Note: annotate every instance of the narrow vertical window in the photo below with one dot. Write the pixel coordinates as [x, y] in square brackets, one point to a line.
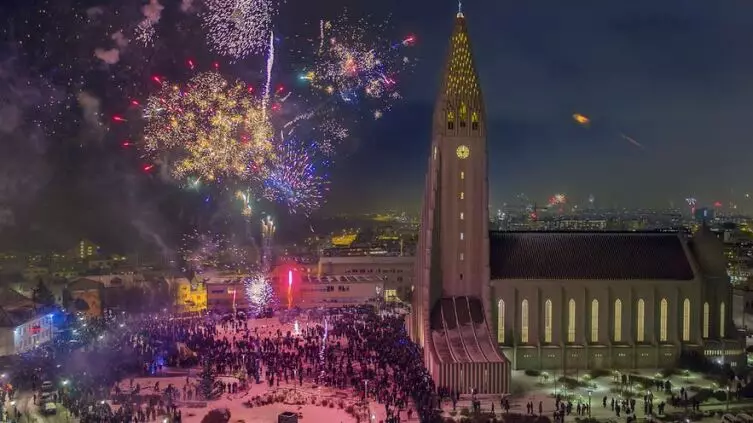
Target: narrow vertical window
[663, 306]
[595, 320]
[461, 257]
[706, 315]
[524, 322]
[462, 216]
[686, 320]
[501, 321]
[462, 195]
[462, 175]
[474, 121]
[450, 120]
[461, 236]
[722, 321]
[571, 321]
[617, 320]
[548, 321]
[640, 334]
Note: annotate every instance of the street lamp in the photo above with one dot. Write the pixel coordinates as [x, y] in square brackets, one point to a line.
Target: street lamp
[589, 402]
[727, 397]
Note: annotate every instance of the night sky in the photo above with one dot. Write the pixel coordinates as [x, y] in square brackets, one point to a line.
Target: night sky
[666, 84]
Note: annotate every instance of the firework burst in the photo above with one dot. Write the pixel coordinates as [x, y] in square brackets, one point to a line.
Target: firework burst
[353, 63]
[260, 294]
[295, 178]
[238, 28]
[209, 127]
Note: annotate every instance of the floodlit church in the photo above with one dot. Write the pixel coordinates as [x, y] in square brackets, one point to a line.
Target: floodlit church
[488, 302]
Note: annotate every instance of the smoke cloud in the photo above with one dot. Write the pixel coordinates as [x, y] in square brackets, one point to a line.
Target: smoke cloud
[152, 11]
[24, 169]
[111, 56]
[186, 6]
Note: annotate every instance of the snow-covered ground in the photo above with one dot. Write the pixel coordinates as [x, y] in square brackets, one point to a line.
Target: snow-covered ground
[297, 398]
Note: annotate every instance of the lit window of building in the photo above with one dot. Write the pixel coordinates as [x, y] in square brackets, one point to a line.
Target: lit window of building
[462, 175]
[640, 334]
[663, 306]
[617, 320]
[686, 320]
[524, 322]
[706, 315]
[501, 321]
[722, 322]
[462, 216]
[461, 256]
[571, 321]
[462, 195]
[461, 236]
[595, 320]
[548, 321]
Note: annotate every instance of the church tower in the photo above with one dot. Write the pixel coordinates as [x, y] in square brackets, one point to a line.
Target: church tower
[452, 293]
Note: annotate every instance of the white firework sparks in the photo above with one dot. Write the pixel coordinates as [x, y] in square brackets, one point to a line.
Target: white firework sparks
[237, 28]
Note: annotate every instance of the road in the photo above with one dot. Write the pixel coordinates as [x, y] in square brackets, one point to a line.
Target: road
[30, 412]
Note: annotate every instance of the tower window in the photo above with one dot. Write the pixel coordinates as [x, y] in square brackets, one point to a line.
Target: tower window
[462, 216]
[474, 126]
[462, 124]
[451, 125]
[461, 276]
[462, 195]
[461, 236]
[461, 259]
[450, 120]
[462, 175]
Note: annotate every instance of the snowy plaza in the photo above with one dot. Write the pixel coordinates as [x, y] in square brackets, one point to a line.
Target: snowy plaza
[259, 402]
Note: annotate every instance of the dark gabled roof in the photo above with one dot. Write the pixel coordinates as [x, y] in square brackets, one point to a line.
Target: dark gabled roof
[84, 284]
[12, 299]
[588, 255]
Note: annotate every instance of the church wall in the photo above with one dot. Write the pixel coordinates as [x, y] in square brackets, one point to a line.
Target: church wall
[607, 351]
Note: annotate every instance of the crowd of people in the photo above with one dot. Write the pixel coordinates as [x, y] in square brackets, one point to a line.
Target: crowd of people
[346, 348]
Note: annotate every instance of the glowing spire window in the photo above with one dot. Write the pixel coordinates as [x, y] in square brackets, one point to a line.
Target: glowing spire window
[450, 120]
[463, 114]
[474, 121]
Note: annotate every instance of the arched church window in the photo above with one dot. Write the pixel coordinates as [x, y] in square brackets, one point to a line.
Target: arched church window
[548, 321]
[571, 321]
[463, 114]
[524, 322]
[686, 320]
[474, 121]
[501, 321]
[450, 120]
[663, 306]
[640, 334]
[617, 320]
[595, 320]
[706, 316]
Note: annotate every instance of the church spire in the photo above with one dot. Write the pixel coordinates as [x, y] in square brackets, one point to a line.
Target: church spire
[460, 77]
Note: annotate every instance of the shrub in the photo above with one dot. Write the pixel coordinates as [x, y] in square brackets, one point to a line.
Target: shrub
[465, 411]
[218, 415]
[349, 409]
[331, 405]
[532, 372]
[599, 373]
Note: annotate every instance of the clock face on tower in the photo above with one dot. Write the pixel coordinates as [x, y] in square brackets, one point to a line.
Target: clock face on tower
[463, 152]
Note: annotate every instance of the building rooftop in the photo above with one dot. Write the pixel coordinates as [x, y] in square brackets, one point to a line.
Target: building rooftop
[368, 259]
[589, 255]
[343, 279]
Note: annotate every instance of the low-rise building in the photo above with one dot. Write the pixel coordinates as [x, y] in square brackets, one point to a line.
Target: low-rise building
[318, 291]
[21, 329]
[86, 296]
[396, 272]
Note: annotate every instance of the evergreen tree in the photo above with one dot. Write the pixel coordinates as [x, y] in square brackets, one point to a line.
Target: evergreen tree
[42, 295]
[208, 381]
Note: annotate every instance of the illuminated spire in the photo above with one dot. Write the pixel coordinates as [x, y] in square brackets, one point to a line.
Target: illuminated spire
[460, 8]
[461, 79]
